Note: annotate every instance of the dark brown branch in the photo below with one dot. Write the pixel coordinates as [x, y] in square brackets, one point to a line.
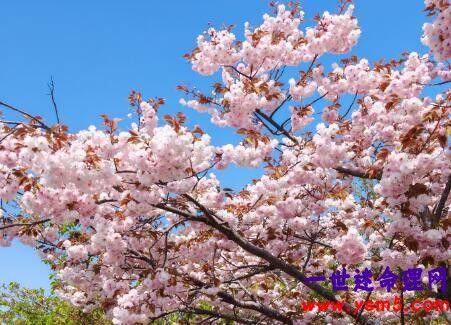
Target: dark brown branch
[356, 173]
[24, 224]
[15, 123]
[51, 86]
[251, 274]
[31, 117]
[237, 71]
[298, 83]
[202, 208]
[438, 210]
[309, 254]
[304, 106]
[264, 310]
[267, 126]
[232, 235]
[142, 257]
[14, 129]
[176, 211]
[309, 240]
[166, 235]
[277, 126]
[436, 84]
[274, 261]
[280, 105]
[350, 106]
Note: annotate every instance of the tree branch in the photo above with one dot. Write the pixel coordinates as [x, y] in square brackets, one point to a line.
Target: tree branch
[274, 261]
[276, 125]
[51, 86]
[264, 310]
[24, 224]
[350, 106]
[438, 210]
[356, 173]
[31, 117]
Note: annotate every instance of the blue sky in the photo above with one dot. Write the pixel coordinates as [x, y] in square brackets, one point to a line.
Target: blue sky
[97, 51]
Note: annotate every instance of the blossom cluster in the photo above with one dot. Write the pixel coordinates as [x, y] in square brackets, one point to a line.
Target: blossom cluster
[436, 35]
[135, 221]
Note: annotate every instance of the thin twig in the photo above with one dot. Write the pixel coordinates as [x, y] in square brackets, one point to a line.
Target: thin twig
[350, 106]
[24, 224]
[31, 117]
[51, 86]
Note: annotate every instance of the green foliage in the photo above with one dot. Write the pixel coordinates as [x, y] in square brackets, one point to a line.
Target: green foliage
[21, 306]
[68, 228]
[364, 190]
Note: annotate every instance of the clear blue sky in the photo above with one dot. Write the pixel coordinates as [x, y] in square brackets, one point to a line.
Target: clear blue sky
[97, 51]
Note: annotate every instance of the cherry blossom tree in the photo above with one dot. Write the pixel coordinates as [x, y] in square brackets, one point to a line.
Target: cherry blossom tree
[356, 174]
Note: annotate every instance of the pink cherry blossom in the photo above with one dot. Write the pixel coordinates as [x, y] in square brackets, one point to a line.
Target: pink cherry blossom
[353, 162]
